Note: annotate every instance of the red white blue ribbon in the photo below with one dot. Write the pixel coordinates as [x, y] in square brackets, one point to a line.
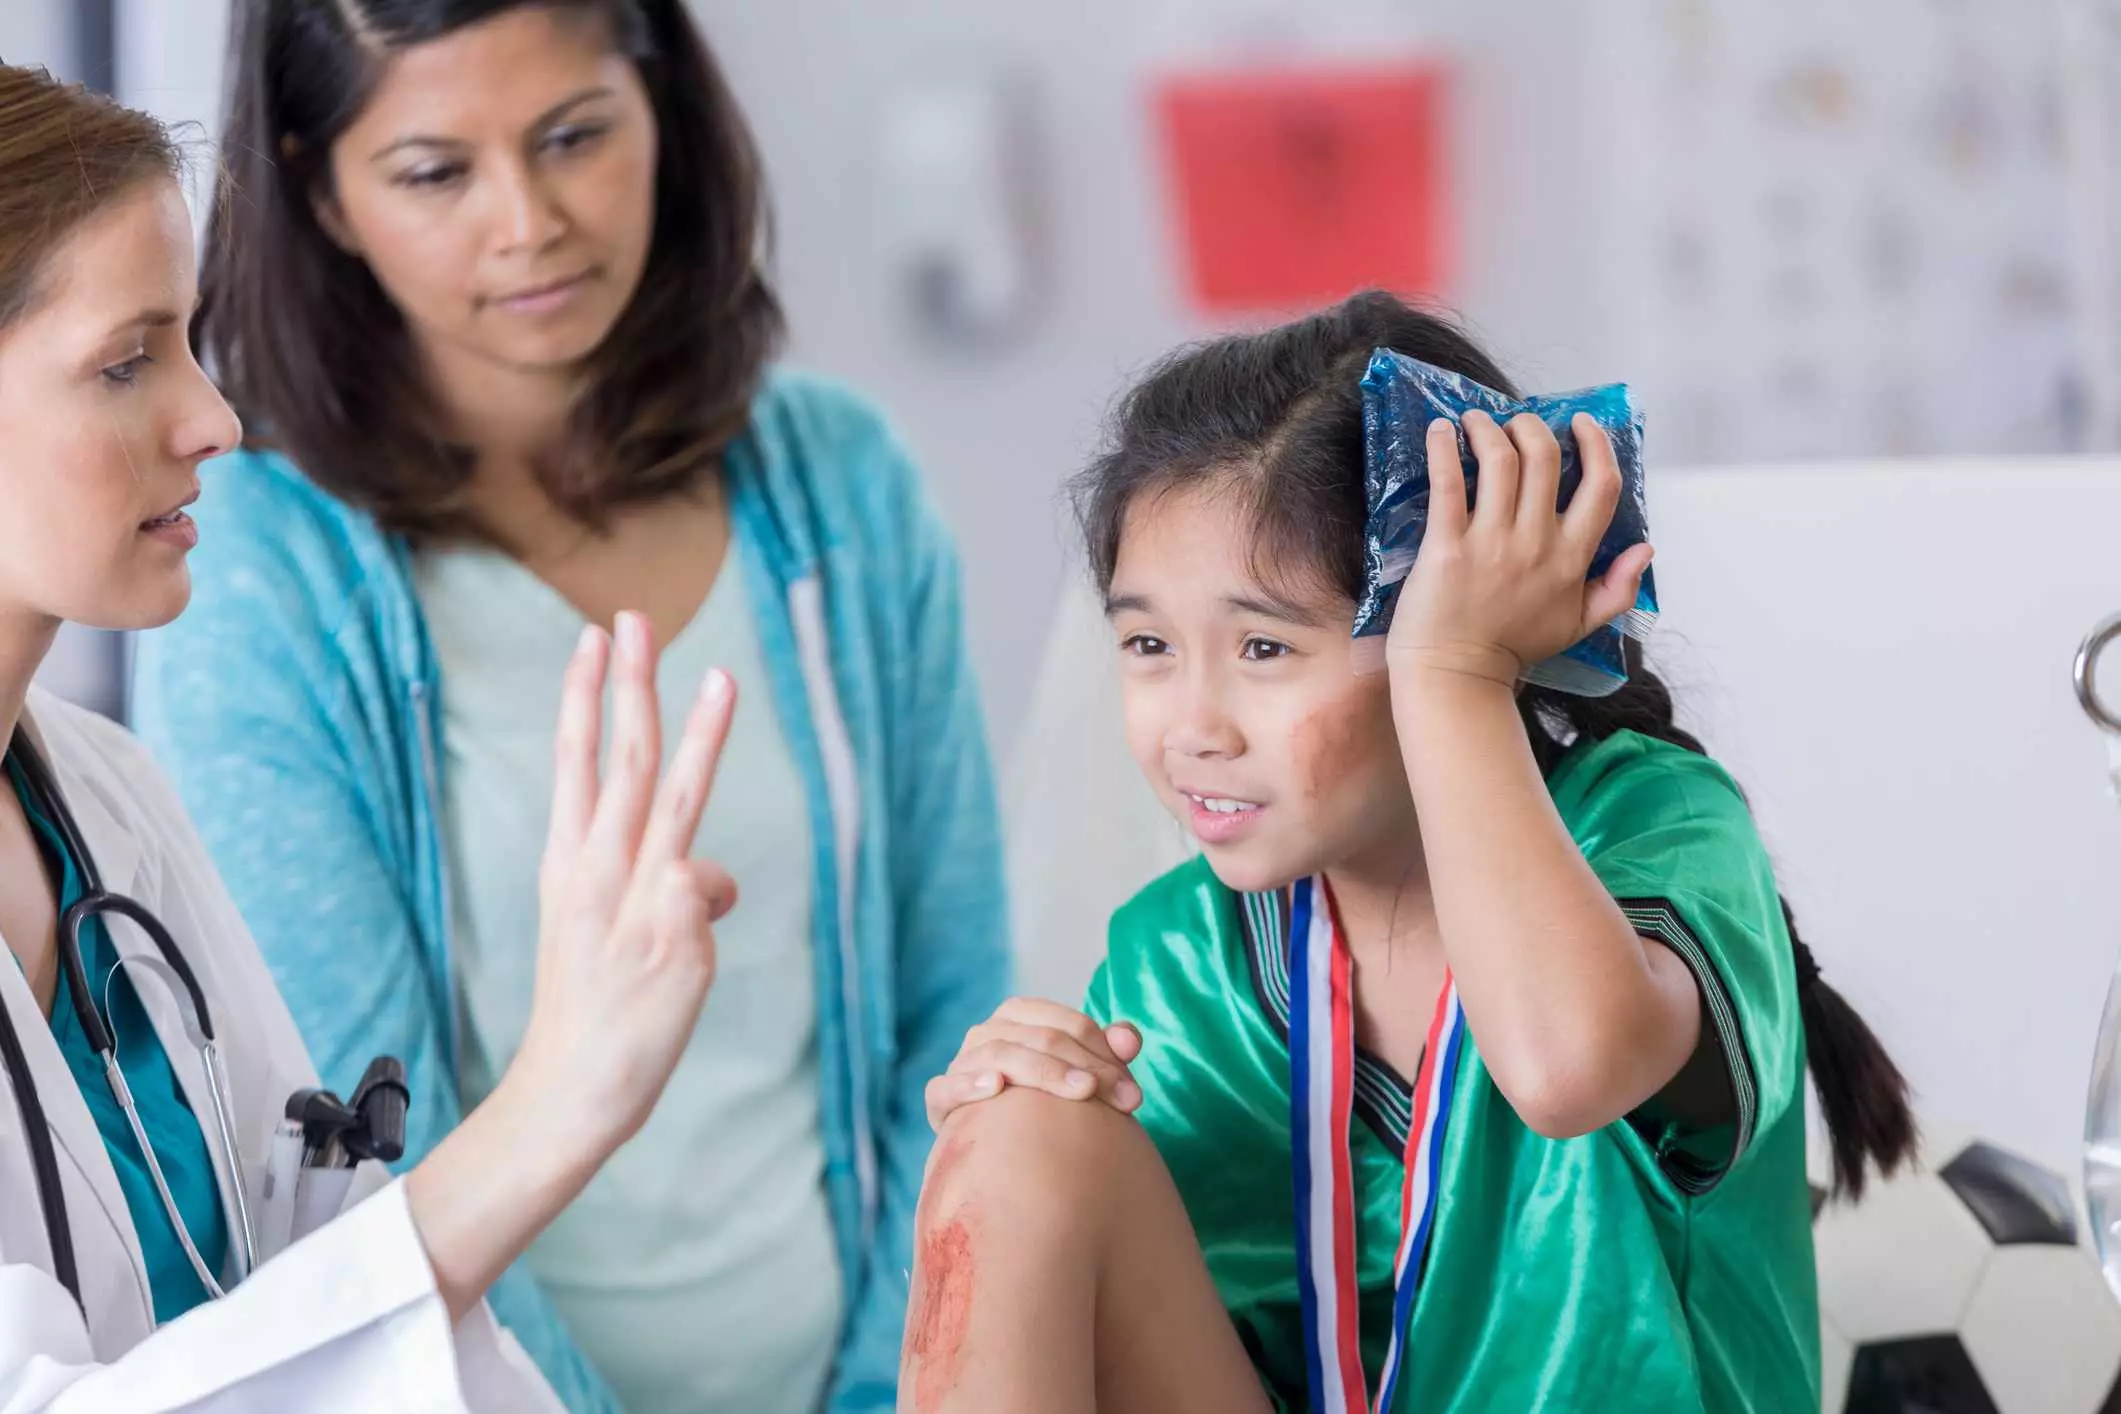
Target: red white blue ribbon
[1321, 1102]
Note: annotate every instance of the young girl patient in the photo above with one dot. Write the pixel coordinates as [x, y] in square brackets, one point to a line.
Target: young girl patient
[1463, 1070]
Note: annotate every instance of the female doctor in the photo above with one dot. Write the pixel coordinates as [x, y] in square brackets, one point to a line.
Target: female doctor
[133, 1157]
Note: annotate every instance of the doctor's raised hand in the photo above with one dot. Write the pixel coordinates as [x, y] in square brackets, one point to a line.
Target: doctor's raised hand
[625, 960]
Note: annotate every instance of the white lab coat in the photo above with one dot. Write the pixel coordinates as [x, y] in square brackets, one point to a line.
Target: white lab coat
[347, 1318]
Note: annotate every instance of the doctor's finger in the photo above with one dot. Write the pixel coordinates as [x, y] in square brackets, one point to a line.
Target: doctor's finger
[574, 746]
[636, 756]
[688, 898]
[682, 796]
[708, 887]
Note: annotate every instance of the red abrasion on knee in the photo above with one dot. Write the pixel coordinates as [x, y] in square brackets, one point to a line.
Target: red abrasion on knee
[942, 1313]
[949, 1152]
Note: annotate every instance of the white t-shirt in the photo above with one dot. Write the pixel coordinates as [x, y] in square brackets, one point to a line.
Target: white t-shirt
[698, 1271]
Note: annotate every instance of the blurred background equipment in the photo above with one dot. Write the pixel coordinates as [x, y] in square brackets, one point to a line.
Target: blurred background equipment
[1272, 180]
[955, 169]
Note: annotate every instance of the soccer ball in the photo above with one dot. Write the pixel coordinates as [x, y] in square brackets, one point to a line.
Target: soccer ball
[1962, 1289]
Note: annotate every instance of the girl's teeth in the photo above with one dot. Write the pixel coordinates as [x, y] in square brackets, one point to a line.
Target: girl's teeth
[1216, 806]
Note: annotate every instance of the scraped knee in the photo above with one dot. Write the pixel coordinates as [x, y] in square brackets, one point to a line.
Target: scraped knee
[1032, 1156]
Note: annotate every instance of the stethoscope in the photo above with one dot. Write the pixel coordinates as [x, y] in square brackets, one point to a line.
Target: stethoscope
[183, 985]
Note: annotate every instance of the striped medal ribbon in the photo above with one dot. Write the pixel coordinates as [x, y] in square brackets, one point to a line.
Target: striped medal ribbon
[1321, 1102]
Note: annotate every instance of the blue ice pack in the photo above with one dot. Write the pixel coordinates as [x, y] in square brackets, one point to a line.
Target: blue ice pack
[1401, 396]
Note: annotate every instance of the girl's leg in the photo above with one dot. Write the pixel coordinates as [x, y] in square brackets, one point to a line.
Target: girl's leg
[1056, 1272]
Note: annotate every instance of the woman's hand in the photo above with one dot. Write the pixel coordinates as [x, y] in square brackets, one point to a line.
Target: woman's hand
[625, 959]
[1040, 1045]
[1497, 589]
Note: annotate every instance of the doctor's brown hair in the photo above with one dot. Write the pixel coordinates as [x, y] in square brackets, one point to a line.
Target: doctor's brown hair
[65, 154]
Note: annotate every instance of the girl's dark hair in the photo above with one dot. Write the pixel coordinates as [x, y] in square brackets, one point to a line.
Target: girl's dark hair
[318, 361]
[1275, 419]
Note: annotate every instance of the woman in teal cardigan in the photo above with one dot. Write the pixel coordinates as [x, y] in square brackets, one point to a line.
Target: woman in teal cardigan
[489, 300]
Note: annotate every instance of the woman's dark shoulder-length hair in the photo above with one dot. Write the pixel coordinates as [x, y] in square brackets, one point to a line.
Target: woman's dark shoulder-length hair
[318, 361]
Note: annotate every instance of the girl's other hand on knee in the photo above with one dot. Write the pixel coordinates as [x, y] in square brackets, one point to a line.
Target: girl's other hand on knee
[1040, 1045]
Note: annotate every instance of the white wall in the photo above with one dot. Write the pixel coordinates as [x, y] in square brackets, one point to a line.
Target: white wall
[37, 32]
[1863, 230]
[1896, 701]
[169, 62]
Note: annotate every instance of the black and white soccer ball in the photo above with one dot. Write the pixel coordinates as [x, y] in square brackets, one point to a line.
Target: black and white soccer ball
[1964, 1288]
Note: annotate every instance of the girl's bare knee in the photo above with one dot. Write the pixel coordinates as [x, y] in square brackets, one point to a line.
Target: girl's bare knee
[1030, 1153]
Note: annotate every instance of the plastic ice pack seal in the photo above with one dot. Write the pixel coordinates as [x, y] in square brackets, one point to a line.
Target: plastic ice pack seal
[1401, 397]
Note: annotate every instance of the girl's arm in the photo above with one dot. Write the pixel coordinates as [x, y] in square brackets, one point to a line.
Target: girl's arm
[1578, 1019]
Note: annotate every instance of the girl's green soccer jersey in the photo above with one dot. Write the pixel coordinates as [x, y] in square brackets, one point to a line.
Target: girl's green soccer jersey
[1649, 1266]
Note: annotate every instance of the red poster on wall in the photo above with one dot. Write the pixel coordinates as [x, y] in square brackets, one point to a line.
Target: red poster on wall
[1293, 187]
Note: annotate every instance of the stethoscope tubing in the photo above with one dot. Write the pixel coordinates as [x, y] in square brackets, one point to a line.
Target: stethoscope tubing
[176, 973]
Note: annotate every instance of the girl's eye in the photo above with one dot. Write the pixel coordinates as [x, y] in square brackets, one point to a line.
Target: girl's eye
[437, 175]
[124, 375]
[571, 139]
[1143, 645]
[1263, 650]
